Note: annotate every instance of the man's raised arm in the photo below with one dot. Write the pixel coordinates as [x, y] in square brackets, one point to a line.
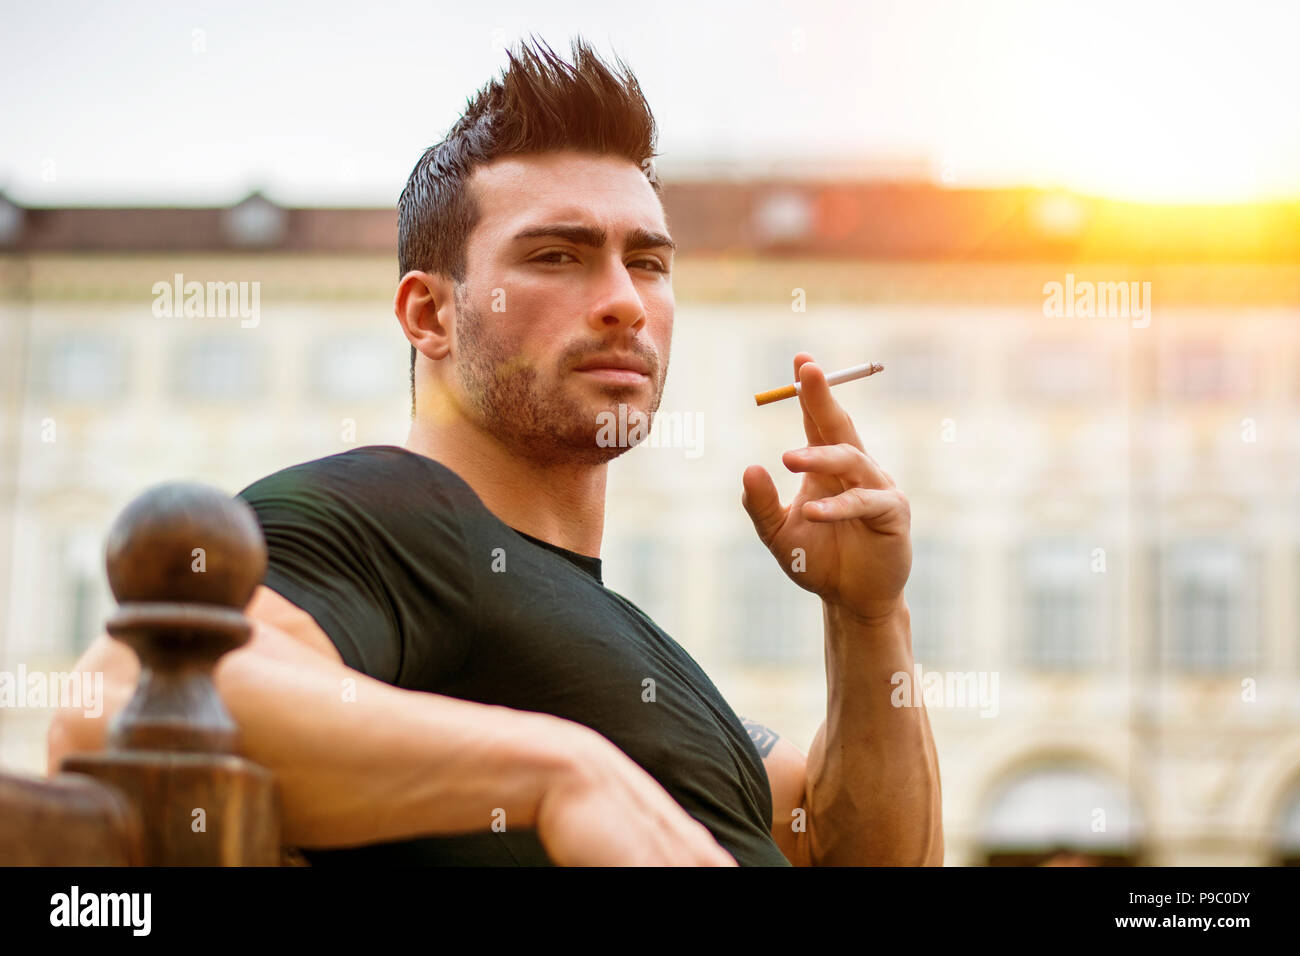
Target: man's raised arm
[360, 761]
[872, 790]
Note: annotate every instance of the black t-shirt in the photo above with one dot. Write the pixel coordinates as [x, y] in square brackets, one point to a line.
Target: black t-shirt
[419, 585]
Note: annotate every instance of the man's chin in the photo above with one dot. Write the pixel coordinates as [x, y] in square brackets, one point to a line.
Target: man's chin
[595, 430]
[579, 450]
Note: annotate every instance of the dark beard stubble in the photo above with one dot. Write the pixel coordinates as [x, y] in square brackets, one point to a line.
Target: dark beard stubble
[545, 426]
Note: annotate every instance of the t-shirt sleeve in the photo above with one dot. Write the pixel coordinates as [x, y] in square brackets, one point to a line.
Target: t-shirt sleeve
[384, 587]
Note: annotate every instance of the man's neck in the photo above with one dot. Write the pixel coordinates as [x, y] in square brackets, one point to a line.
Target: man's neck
[560, 504]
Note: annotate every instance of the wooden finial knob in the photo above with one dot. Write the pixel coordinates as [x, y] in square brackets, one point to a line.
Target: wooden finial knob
[186, 542]
[183, 561]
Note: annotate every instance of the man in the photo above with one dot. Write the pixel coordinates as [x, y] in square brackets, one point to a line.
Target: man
[437, 673]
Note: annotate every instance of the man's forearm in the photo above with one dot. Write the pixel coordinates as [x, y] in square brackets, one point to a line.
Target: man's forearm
[357, 760]
[391, 763]
[873, 773]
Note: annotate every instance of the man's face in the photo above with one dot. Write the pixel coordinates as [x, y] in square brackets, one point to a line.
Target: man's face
[535, 307]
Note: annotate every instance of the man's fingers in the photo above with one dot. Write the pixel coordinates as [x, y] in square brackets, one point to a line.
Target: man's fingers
[809, 426]
[871, 504]
[831, 421]
[761, 500]
[846, 462]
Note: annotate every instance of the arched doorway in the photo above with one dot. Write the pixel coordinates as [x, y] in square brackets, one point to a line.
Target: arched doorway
[1061, 815]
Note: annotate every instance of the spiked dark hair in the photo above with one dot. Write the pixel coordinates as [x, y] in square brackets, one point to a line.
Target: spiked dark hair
[541, 103]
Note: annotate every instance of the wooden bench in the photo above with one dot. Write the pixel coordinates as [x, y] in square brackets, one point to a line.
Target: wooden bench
[170, 788]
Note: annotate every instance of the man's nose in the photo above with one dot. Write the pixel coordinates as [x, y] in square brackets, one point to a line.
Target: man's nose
[620, 303]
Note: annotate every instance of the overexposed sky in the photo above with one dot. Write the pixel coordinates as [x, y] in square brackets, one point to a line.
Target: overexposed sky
[330, 102]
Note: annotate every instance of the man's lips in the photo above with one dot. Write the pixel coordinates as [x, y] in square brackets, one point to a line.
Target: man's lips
[627, 360]
[616, 369]
[615, 376]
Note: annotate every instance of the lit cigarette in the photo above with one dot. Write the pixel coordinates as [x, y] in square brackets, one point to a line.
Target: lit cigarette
[835, 378]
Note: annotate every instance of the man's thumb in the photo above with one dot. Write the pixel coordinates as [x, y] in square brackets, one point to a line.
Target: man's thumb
[762, 502]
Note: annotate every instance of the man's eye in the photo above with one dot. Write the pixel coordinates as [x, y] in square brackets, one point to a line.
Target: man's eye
[549, 257]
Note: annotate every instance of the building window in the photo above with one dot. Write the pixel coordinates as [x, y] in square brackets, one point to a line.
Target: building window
[1208, 594]
[1199, 371]
[920, 373]
[773, 620]
[82, 567]
[360, 368]
[256, 221]
[934, 599]
[85, 368]
[1065, 372]
[783, 216]
[219, 369]
[1062, 608]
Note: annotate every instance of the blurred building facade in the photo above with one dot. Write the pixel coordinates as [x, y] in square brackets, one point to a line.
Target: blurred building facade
[1104, 590]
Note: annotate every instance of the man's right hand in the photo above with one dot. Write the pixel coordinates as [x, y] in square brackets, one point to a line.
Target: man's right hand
[606, 811]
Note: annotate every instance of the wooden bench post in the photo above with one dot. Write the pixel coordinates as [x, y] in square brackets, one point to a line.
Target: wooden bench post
[183, 562]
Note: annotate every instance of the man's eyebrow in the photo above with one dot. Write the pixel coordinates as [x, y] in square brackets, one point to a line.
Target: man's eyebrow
[595, 237]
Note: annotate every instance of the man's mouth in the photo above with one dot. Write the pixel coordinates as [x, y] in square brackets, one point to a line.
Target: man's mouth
[622, 369]
[615, 376]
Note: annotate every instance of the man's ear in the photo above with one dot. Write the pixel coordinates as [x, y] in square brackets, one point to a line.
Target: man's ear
[424, 305]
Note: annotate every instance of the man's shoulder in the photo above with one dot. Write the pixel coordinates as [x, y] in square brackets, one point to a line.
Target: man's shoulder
[359, 476]
[381, 494]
